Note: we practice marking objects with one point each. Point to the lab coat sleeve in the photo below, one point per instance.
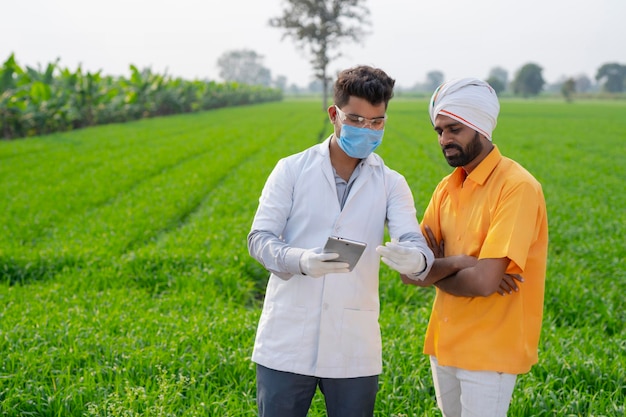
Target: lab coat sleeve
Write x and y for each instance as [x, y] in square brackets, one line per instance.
[402, 222]
[265, 243]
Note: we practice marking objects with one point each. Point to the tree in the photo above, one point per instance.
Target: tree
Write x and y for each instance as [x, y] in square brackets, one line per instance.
[434, 79]
[501, 74]
[568, 88]
[498, 79]
[612, 77]
[245, 67]
[323, 25]
[528, 80]
[497, 84]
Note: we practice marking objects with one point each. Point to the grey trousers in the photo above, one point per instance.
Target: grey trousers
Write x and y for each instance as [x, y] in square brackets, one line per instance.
[284, 394]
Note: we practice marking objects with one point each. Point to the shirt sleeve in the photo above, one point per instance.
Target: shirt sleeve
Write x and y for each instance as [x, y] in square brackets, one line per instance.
[514, 224]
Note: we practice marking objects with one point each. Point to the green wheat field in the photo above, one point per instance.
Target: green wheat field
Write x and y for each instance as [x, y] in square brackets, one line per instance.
[126, 288]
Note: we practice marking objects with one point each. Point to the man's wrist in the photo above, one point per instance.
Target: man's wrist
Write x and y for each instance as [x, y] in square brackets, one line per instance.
[416, 275]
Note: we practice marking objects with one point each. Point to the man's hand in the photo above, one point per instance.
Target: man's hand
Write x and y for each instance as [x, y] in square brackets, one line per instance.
[314, 263]
[403, 257]
[508, 284]
[437, 248]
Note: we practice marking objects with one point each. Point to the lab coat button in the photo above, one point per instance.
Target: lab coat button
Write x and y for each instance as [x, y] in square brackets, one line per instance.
[325, 306]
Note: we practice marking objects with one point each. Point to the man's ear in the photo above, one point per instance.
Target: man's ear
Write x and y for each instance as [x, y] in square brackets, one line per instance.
[332, 113]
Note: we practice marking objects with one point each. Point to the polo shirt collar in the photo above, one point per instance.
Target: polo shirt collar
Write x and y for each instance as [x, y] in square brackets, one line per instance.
[480, 174]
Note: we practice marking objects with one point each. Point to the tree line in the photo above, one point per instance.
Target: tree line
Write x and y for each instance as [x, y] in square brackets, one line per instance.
[52, 99]
[246, 66]
[323, 26]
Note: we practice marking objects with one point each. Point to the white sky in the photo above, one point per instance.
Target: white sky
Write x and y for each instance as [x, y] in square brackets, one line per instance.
[408, 38]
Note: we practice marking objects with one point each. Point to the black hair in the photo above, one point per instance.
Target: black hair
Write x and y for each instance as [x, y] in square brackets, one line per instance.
[371, 84]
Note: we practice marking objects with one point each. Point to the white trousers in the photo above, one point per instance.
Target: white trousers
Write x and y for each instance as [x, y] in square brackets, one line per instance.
[462, 393]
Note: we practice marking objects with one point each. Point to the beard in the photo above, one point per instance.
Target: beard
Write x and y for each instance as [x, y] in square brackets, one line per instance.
[465, 155]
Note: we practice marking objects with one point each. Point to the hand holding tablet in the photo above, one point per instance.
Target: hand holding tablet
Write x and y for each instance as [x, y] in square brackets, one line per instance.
[349, 251]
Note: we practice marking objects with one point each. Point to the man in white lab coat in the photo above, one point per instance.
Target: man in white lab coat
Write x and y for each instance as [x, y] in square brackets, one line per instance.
[319, 324]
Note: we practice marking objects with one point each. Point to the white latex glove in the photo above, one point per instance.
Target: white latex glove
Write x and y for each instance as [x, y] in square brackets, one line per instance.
[403, 257]
[314, 263]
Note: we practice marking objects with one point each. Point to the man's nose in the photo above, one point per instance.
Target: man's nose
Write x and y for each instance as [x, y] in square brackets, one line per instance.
[444, 139]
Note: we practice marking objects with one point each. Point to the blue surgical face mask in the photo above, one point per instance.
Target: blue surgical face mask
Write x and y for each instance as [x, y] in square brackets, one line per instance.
[359, 142]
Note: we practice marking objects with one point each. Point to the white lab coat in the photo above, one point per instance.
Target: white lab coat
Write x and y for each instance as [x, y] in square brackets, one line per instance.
[328, 326]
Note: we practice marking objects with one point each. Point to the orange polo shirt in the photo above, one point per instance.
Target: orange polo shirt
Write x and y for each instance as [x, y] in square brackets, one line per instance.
[497, 211]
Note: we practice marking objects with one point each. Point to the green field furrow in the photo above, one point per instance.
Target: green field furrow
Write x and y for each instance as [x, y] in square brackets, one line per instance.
[116, 178]
[77, 179]
[126, 287]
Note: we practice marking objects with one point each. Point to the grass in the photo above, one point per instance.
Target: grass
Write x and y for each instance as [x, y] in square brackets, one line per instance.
[126, 288]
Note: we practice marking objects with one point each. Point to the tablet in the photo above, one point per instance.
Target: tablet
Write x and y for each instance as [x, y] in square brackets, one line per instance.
[349, 251]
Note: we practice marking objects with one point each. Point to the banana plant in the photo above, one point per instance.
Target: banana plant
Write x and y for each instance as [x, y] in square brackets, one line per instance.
[38, 101]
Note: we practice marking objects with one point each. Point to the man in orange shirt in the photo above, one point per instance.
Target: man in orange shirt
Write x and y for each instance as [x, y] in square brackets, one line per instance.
[487, 224]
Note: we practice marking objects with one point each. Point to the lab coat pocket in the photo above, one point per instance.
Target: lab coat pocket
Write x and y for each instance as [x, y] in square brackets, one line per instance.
[283, 327]
[360, 336]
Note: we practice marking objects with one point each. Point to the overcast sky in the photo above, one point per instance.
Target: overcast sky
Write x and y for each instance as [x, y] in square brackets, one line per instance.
[408, 38]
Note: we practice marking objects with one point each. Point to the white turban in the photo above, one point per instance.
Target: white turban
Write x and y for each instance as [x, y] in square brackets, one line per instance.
[468, 100]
